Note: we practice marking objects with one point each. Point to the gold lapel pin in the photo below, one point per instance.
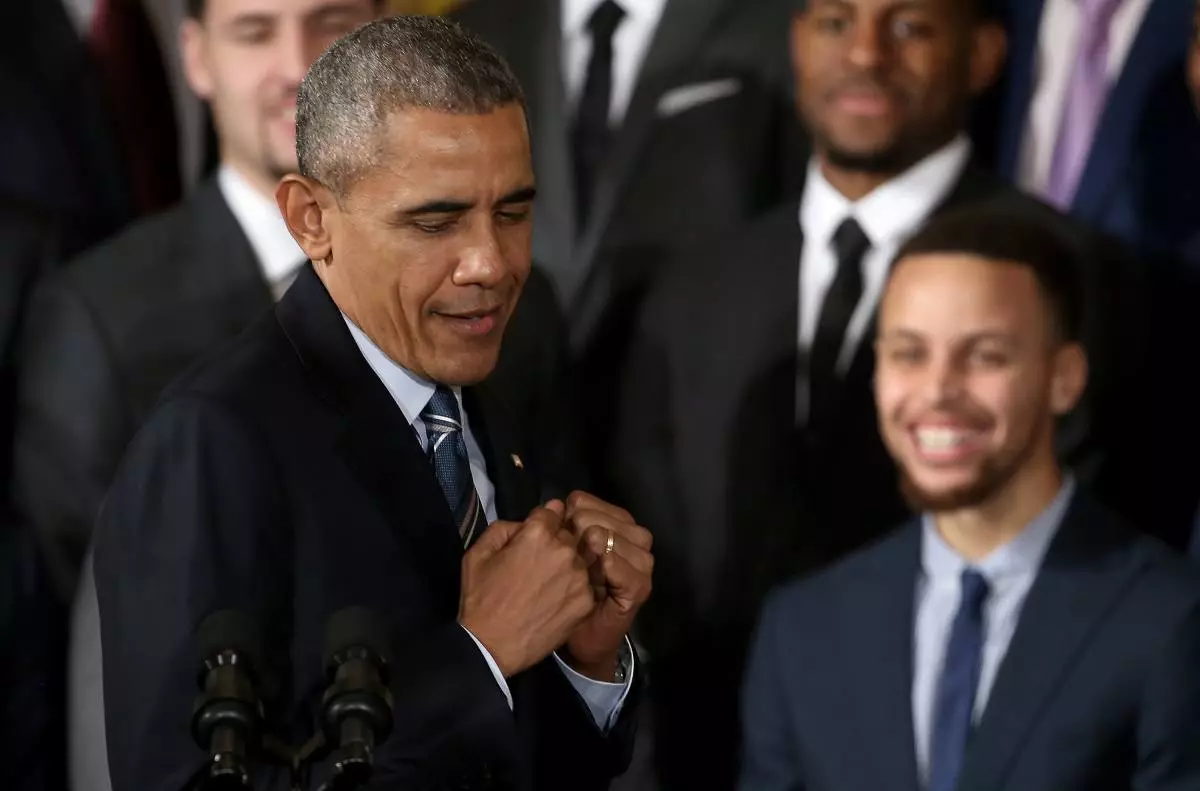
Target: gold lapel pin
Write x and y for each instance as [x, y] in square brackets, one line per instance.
[520, 465]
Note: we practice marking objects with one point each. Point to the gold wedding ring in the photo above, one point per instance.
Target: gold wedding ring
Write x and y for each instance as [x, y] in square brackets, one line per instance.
[612, 542]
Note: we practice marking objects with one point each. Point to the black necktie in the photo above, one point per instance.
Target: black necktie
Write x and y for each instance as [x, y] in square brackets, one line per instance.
[850, 245]
[591, 134]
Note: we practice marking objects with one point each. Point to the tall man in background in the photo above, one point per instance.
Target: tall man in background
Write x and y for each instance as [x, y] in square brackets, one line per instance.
[107, 333]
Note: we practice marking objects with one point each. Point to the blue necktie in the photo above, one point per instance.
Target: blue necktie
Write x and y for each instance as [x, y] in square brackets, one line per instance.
[447, 451]
[955, 702]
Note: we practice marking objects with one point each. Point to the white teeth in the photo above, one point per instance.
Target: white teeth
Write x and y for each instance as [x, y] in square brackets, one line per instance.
[942, 438]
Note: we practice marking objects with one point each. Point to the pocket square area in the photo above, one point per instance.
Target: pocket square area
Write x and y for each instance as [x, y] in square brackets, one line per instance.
[677, 100]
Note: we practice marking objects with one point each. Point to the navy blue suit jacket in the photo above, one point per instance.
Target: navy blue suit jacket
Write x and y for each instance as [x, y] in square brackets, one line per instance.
[1142, 179]
[1099, 688]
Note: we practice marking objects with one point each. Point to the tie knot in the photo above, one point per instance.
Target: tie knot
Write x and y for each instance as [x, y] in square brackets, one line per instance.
[850, 242]
[975, 590]
[441, 413]
[604, 20]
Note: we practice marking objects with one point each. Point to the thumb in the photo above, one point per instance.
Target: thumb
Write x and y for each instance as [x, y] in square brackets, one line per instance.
[493, 539]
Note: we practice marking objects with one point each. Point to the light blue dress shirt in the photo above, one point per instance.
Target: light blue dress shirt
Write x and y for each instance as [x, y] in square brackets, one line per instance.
[1010, 571]
[411, 394]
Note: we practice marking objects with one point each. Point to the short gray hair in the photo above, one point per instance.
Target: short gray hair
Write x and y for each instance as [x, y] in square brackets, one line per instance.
[388, 65]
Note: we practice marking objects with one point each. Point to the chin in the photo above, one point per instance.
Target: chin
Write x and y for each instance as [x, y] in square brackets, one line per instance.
[953, 492]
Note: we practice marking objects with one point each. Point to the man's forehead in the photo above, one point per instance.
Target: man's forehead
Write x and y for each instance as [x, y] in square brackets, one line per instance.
[224, 10]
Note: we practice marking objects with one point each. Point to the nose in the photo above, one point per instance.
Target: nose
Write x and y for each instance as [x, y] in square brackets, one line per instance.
[943, 381]
[481, 262]
[296, 53]
[868, 44]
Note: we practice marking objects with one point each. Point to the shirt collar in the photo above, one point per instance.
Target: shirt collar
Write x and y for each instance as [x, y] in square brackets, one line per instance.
[576, 13]
[410, 392]
[893, 210]
[277, 252]
[1021, 556]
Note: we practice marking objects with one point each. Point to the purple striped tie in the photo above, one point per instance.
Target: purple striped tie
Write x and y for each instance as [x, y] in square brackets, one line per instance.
[1085, 100]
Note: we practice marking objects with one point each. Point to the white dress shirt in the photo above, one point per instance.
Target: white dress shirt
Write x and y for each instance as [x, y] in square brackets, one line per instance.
[631, 42]
[1010, 571]
[412, 394]
[278, 255]
[1058, 40]
[888, 216]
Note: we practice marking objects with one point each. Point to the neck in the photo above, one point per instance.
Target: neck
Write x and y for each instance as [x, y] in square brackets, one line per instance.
[263, 183]
[974, 533]
[855, 183]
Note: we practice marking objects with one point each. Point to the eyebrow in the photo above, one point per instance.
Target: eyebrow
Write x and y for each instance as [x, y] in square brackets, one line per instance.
[443, 206]
[975, 337]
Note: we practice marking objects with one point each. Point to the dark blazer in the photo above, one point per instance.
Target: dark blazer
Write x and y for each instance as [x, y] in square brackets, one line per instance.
[105, 335]
[1098, 688]
[1142, 180]
[281, 479]
[708, 456]
[32, 672]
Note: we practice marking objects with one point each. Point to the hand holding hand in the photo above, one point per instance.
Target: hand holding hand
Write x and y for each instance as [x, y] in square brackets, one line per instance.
[524, 589]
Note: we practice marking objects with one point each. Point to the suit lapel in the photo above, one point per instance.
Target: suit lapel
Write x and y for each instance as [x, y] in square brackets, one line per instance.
[1024, 24]
[227, 271]
[375, 439]
[878, 656]
[516, 494]
[1085, 571]
[1123, 116]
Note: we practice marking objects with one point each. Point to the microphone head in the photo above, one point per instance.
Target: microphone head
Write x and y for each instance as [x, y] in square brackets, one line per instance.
[356, 627]
[231, 630]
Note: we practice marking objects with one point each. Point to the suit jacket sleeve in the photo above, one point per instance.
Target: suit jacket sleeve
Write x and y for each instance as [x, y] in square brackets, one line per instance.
[1169, 727]
[769, 760]
[73, 419]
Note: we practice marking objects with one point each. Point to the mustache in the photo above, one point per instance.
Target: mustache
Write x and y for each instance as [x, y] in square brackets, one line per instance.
[865, 82]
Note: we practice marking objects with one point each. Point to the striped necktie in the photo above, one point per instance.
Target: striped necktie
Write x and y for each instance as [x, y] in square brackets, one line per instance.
[447, 449]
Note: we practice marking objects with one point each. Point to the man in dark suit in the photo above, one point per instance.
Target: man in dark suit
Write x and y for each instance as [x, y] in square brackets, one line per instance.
[110, 330]
[344, 452]
[655, 123]
[1093, 114]
[1016, 636]
[746, 439]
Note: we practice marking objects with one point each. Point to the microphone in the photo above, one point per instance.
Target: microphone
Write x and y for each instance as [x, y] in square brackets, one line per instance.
[357, 705]
[228, 715]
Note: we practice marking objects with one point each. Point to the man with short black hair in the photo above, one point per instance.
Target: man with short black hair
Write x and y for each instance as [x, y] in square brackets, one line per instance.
[347, 451]
[1017, 635]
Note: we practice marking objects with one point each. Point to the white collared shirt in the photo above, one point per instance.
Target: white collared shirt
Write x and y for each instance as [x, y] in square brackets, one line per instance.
[279, 256]
[412, 393]
[631, 42]
[888, 216]
[1010, 571]
[1058, 40]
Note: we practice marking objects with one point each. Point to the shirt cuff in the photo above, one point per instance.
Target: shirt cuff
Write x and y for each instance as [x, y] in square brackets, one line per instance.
[494, 668]
[604, 700]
